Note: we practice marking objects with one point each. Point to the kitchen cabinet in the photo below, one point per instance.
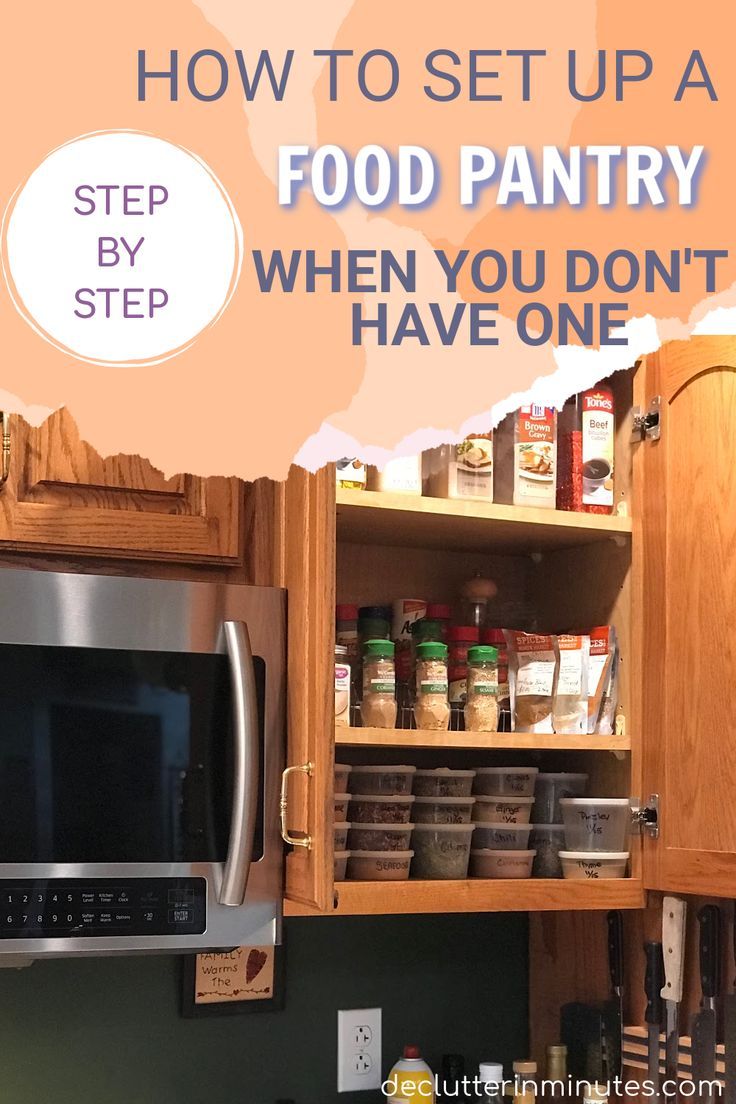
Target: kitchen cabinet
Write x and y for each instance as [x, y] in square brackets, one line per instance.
[662, 569]
[61, 497]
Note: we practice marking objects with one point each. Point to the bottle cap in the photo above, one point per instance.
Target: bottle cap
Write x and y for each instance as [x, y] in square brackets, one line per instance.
[383, 613]
[436, 611]
[491, 1073]
[525, 1066]
[383, 648]
[429, 649]
[493, 636]
[430, 630]
[373, 628]
[482, 653]
[346, 613]
[465, 633]
[557, 1049]
[412, 1052]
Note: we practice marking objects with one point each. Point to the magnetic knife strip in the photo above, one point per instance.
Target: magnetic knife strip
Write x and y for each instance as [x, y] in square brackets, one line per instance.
[635, 1053]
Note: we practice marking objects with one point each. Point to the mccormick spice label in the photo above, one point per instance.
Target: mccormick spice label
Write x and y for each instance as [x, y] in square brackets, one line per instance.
[598, 432]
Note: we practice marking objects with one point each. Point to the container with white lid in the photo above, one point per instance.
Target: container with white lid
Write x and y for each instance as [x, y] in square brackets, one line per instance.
[441, 850]
[443, 782]
[501, 837]
[443, 810]
[341, 862]
[381, 808]
[590, 865]
[596, 823]
[550, 788]
[387, 780]
[506, 781]
[501, 864]
[504, 810]
[380, 837]
[379, 866]
[547, 840]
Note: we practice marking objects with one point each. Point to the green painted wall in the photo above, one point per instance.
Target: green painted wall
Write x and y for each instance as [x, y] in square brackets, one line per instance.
[108, 1031]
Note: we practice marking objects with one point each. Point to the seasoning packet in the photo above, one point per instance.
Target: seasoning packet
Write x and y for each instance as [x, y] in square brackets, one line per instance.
[570, 711]
[532, 674]
[602, 680]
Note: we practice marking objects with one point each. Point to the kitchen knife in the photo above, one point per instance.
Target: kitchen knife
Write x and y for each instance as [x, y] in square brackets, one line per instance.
[616, 970]
[653, 982]
[729, 1032]
[703, 1027]
[674, 912]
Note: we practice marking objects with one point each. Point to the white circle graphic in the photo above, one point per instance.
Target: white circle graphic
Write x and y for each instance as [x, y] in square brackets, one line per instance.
[121, 248]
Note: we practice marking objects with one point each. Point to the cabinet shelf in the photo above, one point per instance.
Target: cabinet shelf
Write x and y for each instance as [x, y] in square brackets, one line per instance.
[419, 738]
[480, 895]
[377, 517]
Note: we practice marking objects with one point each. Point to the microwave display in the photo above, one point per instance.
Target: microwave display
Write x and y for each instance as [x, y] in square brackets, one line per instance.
[117, 756]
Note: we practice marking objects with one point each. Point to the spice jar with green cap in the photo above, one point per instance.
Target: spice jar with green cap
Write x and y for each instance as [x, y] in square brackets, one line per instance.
[481, 702]
[378, 707]
[431, 704]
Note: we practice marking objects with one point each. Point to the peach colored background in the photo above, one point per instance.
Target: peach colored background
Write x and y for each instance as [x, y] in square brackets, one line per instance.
[279, 371]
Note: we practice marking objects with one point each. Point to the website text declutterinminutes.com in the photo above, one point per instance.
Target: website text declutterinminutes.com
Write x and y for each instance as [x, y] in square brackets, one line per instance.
[471, 1088]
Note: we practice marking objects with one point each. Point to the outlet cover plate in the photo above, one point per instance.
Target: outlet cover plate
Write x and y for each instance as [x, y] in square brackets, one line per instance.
[359, 1049]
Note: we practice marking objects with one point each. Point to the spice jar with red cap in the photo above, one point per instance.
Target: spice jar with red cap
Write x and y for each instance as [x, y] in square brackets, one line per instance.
[442, 614]
[459, 639]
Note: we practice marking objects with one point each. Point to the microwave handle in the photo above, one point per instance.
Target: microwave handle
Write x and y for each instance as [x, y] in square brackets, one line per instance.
[246, 773]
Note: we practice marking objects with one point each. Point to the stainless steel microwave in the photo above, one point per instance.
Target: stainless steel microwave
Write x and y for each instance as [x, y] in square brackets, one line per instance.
[141, 746]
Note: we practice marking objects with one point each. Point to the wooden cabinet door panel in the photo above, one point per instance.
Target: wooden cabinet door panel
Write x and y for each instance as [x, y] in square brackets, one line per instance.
[63, 497]
[306, 567]
[688, 533]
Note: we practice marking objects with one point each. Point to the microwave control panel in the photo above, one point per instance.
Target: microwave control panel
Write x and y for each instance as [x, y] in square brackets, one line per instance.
[69, 907]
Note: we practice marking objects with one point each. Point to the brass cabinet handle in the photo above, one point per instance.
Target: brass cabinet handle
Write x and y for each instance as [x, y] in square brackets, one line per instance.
[300, 841]
[5, 429]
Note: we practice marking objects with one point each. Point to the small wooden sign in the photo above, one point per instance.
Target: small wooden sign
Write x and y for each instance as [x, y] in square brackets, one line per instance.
[242, 980]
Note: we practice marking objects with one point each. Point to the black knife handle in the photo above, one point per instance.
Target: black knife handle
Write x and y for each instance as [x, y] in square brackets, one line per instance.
[616, 948]
[709, 919]
[653, 982]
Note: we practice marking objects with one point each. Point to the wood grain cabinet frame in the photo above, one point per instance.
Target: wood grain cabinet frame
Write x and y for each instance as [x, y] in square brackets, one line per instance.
[62, 497]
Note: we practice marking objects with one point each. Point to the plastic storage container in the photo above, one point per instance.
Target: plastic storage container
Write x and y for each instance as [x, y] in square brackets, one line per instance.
[381, 780]
[381, 809]
[341, 862]
[443, 810]
[380, 837]
[342, 800]
[596, 823]
[501, 837]
[502, 810]
[441, 850]
[518, 781]
[443, 782]
[585, 865]
[379, 866]
[548, 840]
[501, 864]
[550, 788]
[342, 774]
[341, 835]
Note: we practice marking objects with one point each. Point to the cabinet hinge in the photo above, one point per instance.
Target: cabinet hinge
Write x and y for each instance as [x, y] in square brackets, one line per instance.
[645, 818]
[646, 426]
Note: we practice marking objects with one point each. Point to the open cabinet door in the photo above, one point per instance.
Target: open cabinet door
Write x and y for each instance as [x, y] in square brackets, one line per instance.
[305, 557]
[688, 587]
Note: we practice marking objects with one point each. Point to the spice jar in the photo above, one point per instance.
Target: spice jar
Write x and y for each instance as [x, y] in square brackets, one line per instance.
[378, 707]
[460, 639]
[442, 616]
[496, 638]
[342, 685]
[431, 705]
[481, 703]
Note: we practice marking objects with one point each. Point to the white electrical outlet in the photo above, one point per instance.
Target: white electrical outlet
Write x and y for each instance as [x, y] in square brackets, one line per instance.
[359, 1049]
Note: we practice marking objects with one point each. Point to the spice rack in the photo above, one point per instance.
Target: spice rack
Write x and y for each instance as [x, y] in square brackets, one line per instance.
[477, 741]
